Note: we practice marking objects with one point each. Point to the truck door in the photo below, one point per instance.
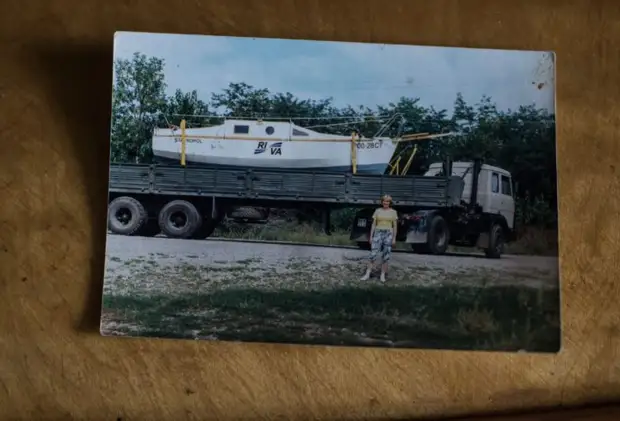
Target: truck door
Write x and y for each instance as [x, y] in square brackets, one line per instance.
[501, 200]
[495, 196]
[507, 202]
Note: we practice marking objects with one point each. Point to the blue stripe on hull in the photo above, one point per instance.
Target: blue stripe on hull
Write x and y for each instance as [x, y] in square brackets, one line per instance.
[376, 169]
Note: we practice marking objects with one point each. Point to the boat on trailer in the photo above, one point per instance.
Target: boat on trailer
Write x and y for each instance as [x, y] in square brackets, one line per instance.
[258, 143]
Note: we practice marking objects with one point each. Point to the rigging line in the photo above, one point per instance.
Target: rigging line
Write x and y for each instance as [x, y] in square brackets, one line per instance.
[280, 118]
[342, 124]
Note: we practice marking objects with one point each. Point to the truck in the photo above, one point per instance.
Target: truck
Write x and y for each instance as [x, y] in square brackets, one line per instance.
[484, 217]
[464, 203]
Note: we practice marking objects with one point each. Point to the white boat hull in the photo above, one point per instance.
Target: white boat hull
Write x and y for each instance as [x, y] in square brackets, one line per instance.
[324, 155]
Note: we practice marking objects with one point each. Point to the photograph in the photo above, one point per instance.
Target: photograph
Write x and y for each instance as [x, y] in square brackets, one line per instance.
[332, 193]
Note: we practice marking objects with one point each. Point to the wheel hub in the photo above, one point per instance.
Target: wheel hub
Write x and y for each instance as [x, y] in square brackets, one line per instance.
[178, 219]
[123, 216]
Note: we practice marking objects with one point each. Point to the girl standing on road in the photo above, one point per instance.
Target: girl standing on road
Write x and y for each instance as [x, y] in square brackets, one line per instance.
[382, 236]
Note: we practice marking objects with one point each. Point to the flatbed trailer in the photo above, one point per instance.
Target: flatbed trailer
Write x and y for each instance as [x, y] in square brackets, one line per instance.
[189, 202]
[273, 186]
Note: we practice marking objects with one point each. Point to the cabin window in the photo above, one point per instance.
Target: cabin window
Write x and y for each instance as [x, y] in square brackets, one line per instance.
[269, 130]
[242, 129]
[495, 183]
[506, 187]
[299, 133]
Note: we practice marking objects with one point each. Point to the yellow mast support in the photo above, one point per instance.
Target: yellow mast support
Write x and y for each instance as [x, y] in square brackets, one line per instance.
[395, 166]
[183, 140]
[410, 160]
[353, 152]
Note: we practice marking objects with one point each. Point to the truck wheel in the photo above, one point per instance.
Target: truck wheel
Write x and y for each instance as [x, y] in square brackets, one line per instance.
[496, 242]
[179, 219]
[438, 235]
[126, 216]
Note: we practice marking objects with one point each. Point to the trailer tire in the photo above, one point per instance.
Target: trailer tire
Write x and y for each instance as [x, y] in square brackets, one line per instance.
[131, 211]
[438, 235]
[183, 213]
[496, 242]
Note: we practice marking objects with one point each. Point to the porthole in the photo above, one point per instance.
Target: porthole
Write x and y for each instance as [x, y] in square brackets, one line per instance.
[269, 130]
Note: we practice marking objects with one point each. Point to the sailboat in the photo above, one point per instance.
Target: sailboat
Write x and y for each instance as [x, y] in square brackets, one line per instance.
[244, 142]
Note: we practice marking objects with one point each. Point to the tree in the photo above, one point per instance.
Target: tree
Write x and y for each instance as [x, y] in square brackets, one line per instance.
[186, 105]
[138, 97]
[243, 100]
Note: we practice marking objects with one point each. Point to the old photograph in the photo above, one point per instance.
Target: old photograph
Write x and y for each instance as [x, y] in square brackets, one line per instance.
[332, 193]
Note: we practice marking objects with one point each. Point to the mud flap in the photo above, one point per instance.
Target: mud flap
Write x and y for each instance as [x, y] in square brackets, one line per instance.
[214, 212]
[327, 221]
[414, 236]
[360, 229]
[417, 232]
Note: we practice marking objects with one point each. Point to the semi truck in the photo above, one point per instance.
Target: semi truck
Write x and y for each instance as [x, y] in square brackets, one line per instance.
[463, 203]
[484, 217]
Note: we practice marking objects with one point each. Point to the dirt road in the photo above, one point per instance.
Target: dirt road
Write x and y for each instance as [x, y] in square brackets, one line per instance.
[159, 263]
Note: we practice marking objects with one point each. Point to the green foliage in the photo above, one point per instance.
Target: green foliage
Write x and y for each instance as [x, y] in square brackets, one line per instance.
[137, 99]
[522, 141]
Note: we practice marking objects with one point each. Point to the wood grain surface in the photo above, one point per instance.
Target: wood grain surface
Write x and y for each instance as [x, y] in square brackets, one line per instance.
[55, 82]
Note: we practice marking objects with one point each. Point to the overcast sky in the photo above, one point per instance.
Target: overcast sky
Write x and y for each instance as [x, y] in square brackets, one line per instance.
[350, 73]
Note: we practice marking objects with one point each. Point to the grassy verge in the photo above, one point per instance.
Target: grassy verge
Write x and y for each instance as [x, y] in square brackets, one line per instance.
[532, 241]
[492, 318]
[314, 303]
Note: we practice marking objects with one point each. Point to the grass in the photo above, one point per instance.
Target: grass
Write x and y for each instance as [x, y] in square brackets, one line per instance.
[312, 302]
[532, 241]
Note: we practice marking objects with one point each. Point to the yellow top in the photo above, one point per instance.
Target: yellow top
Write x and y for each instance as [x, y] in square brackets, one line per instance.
[385, 219]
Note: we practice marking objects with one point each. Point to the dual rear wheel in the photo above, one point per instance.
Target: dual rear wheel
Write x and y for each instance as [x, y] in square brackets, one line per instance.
[176, 219]
[439, 239]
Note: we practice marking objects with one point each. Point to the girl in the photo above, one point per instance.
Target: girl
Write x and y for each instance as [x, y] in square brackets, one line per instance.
[382, 236]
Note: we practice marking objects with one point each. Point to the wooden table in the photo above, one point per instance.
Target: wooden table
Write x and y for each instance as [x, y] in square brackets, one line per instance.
[55, 77]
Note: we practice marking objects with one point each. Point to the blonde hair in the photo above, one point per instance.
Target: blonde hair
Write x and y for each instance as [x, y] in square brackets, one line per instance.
[386, 197]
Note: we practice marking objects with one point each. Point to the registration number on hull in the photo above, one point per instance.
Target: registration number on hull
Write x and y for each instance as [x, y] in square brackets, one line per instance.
[369, 145]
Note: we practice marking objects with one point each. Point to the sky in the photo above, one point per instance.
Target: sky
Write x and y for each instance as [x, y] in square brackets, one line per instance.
[351, 73]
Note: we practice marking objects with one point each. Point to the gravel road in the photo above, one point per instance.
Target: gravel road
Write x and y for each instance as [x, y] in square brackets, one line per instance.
[232, 262]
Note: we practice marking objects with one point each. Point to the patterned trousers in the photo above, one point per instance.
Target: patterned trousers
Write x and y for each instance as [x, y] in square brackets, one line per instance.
[381, 241]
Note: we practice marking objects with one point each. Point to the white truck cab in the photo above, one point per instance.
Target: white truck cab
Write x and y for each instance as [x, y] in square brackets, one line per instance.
[495, 187]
